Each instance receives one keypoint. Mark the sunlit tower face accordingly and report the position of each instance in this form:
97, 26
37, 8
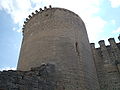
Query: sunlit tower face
58, 36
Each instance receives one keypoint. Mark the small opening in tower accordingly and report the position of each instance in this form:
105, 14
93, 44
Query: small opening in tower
76, 44
76, 47
46, 15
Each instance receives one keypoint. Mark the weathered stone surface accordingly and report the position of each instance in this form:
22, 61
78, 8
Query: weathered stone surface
107, 59
58, 36
40, 78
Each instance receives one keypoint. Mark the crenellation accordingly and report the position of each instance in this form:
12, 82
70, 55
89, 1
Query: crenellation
23, 25
36, 11
33, 13
45, 8
23, 29
112, 42
4, 70
25, 22
40, 9
101, 43
119, 37
30, 16
114, 49
27, 19
104, 52
108, 73
50, 6
92, 45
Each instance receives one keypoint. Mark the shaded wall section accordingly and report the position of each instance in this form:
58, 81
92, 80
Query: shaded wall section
107, 61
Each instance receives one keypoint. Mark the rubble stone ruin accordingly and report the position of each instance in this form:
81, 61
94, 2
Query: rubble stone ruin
56, 55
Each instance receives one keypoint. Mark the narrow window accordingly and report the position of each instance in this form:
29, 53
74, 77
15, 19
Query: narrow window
76, 47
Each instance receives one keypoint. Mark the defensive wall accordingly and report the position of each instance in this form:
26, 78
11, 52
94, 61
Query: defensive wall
107, 62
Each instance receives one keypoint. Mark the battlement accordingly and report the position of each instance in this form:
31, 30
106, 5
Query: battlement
107, 61
40, 11
112, 43
111, 52
36, 12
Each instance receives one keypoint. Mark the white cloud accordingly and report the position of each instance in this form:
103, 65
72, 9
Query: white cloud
17, 9
113, 22
17, 30
94, 25
7, 68
117, 30
20, 9
115, 3
14, 29
85, 8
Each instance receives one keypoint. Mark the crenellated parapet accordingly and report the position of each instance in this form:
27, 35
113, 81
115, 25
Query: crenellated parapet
33, 14
108, 52
107, 61
102, 44
40, 11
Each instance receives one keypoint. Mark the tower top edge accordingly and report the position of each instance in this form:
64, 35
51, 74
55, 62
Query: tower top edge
40, 11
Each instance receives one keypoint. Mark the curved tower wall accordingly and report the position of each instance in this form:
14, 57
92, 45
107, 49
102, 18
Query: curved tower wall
58, 36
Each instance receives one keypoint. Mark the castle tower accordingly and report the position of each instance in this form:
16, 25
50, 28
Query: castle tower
58, 36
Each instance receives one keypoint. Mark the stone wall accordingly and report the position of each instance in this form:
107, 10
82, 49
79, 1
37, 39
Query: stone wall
107, 61
107, 64
40, 78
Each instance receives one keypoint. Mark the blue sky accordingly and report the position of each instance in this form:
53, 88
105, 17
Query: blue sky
101, 17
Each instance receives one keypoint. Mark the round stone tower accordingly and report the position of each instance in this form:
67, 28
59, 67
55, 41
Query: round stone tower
58, 36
